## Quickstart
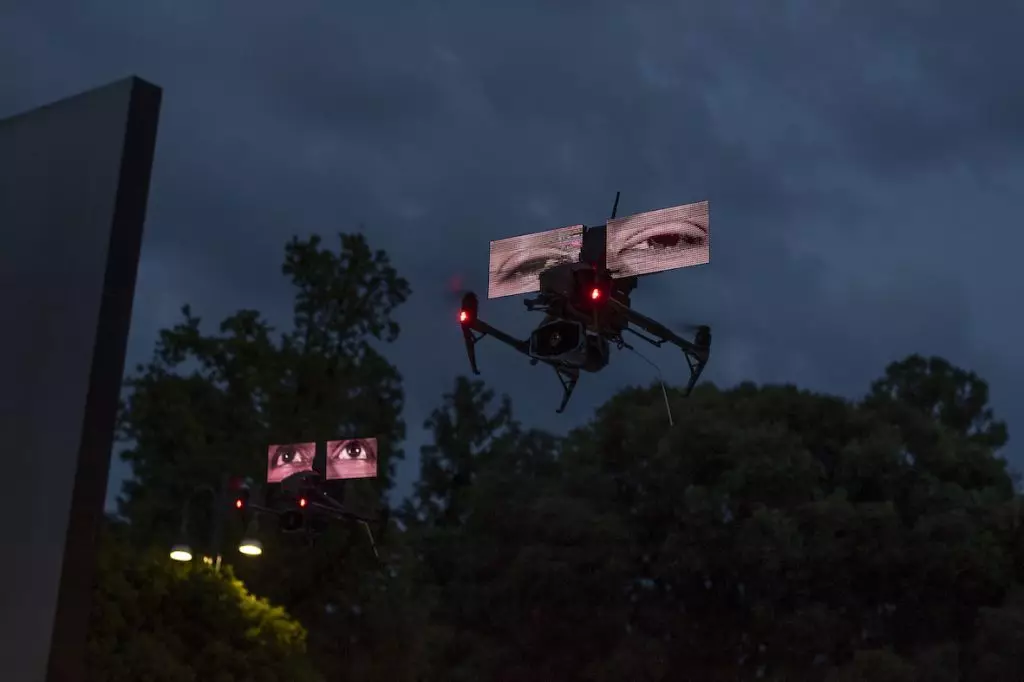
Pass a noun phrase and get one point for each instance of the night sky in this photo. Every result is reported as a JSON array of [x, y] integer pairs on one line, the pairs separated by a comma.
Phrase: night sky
[[863, 161]]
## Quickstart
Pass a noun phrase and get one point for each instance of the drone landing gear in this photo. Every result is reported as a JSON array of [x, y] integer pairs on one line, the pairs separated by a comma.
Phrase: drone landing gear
[[339, 511], [697, 352], [568, 377]]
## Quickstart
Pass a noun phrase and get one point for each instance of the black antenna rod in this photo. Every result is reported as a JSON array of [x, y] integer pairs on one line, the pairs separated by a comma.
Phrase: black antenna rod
[[615, 207]]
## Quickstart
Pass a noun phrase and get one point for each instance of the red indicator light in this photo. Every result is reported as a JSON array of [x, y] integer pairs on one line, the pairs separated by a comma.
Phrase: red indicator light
[[463, 316], [302, 502], [595, 293], [239, 504]]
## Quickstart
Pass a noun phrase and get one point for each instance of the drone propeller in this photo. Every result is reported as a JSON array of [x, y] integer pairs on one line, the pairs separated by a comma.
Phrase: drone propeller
[[455, 289]]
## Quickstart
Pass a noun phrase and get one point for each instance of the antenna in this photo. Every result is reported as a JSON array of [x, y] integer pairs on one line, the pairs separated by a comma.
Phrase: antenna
[[615, 206]]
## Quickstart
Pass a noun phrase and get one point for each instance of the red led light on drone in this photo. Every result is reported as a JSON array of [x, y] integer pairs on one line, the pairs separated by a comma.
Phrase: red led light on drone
[[463, 316], [595, 293], [303, 502], [239, 503]]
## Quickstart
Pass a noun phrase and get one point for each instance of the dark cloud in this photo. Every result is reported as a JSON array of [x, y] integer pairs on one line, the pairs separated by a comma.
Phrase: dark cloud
[[861, 160]]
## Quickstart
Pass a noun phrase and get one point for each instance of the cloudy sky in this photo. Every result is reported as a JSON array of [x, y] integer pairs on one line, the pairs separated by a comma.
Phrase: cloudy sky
[[863, 161]]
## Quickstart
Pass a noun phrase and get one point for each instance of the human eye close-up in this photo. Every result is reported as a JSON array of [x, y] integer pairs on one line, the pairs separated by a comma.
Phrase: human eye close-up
[[675, 234], [352, 458], [353, 449], [528, 265], [292, 455]]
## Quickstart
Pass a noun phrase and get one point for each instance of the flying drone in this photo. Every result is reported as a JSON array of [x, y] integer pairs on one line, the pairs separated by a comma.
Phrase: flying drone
[[584, 277], [302, 504]]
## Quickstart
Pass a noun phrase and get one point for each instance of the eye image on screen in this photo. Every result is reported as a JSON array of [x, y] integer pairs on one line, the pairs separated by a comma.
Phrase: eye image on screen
[[516, 262], [353, 458], [285, 460], [666, 239]]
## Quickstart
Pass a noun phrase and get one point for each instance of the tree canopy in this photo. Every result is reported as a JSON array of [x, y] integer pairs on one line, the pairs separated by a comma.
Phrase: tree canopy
[[163, 621], [208, 403], [770, 533]]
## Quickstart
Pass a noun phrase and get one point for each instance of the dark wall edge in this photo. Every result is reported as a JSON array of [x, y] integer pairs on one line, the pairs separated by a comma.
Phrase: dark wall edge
[[74, 600]]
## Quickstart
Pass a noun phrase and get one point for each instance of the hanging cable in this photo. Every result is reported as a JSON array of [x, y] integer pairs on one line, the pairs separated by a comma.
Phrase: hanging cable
[[661, 380]]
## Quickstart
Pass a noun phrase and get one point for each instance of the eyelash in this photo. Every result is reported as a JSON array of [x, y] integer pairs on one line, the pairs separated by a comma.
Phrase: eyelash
[[689, 238], [508, 272], [343, 450], [299, 458]]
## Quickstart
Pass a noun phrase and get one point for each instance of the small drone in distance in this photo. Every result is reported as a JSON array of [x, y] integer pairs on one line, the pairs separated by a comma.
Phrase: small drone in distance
[[297, 493], [584, 276]]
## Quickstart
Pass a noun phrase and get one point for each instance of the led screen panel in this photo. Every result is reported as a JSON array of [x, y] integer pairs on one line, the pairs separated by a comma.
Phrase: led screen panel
[[516, 262], [660, 240], [288, 459], [352, 458]]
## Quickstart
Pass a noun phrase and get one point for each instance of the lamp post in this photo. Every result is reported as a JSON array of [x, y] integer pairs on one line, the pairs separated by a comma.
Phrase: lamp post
[[182, 551], [250, 546]]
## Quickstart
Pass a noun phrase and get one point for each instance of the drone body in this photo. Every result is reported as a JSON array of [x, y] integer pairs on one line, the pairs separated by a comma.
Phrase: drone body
[[584, 278], [304, 509], [302, 487]]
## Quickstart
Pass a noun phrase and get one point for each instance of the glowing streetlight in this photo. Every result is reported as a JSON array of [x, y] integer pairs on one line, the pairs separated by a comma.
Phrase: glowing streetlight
[[181, 552], [251, 547], [250, 544]]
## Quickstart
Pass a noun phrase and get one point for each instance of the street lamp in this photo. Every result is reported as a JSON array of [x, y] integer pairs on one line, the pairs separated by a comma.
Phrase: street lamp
[[249, 546], [181, 552]]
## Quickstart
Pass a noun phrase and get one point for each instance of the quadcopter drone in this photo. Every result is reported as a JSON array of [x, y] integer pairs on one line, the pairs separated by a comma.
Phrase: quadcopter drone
[[584, 277], [303, 508]]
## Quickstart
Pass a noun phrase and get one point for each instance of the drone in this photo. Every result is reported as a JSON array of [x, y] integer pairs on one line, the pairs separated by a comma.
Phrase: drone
[[304, 509], [584, 278]]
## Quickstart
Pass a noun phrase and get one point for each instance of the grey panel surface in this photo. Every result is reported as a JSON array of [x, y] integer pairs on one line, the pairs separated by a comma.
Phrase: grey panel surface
[[74, 179]]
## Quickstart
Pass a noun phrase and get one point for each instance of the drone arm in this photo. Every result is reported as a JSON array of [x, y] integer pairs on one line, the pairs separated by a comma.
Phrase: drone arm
[[338, 511], [697, 352], [259, 509], [651, 326], [471, 323], [467, 335], [332, 506], [487, 330]]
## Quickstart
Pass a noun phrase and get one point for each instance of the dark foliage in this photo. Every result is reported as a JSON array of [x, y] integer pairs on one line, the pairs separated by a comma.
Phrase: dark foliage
[[772, 533]]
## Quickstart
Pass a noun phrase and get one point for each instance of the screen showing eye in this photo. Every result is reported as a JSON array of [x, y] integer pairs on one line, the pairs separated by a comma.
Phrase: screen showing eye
[[288, 459], [353, 458], [667, 239], [516, 262]]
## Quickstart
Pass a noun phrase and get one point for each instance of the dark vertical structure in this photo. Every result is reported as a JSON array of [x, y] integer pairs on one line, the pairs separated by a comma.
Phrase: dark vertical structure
[[74, 181]]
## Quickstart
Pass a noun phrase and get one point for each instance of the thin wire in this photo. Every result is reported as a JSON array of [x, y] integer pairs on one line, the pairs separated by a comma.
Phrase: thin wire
[[661, 381]]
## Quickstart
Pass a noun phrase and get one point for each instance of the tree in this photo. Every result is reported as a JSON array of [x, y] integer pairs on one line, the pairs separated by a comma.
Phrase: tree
[[499, 538], [156, 619], [953, 398], [998, 640], [209, 404], [877, 665], [771, 533], [466, 431], [206, 404]]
